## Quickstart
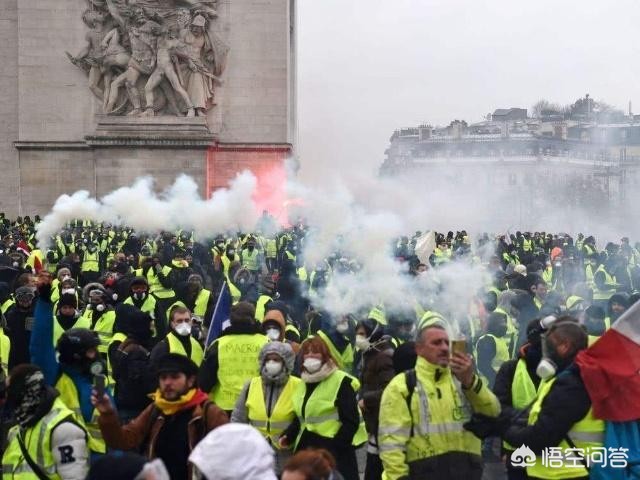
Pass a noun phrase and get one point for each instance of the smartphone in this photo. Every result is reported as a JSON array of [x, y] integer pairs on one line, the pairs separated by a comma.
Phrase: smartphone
[[459, 346], [99, 385]]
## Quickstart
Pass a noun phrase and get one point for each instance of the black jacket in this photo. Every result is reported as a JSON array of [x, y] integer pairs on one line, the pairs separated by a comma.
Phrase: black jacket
[[566, 404], [504, 381]]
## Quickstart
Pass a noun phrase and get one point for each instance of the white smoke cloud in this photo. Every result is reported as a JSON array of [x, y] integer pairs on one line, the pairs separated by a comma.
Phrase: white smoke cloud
[[140, 207]]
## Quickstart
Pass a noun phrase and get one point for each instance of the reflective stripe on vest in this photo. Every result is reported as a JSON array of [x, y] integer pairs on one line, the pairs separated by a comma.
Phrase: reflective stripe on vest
[[237, 363], [282, 413], [175, 346], [320, 412], [69, 395], [587, 433], [37, 442]]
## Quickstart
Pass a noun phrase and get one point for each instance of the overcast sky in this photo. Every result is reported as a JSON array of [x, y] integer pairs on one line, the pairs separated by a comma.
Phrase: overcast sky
[[368, 67]]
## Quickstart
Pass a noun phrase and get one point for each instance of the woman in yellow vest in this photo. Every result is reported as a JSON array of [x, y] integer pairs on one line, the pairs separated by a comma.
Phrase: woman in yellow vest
[[327, 413], [266, 401]]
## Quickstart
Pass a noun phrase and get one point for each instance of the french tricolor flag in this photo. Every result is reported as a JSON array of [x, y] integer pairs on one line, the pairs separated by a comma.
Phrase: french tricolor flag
[[610, 369]]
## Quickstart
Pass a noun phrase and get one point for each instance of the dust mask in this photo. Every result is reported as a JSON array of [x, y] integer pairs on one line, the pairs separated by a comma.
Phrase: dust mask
[[272, 367], [273, 334], [183, 329], [312, 365], [342, 327], [362, 343]]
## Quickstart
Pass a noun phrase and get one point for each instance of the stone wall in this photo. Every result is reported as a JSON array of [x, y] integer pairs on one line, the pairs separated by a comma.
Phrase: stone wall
[[49, 116]]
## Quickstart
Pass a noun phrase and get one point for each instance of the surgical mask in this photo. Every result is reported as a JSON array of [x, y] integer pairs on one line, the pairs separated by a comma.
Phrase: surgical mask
[[68, 290], [362, 342], [272, 367], [342, 327], [183, 329], [273, 334], [312, 365], [139, 295]]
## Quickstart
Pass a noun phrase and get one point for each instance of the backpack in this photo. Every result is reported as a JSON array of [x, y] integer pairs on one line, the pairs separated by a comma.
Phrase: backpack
[[411, 379]]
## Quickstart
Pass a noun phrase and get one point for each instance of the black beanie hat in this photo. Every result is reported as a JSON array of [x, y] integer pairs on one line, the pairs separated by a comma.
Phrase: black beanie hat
[[174, 362]]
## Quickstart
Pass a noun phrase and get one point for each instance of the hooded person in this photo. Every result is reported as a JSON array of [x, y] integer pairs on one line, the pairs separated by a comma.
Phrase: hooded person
[[19, 323], [232, 359], [292, 329], [129, 356], [595, 322], [144, 300], [169, 429], [67, 316], [616, 306], [99, 313], [374, 360], [266, 401], [234, 452], [274, 325], [41, 414]]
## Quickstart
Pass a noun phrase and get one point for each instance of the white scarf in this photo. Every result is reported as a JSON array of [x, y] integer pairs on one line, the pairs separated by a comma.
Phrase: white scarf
[[327, 369]]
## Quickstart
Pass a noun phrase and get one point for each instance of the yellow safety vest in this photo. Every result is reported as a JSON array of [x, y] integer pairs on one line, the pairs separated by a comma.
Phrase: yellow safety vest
[[175, 346], [523, 390], [90, 262], [200, 308], [282, 413], [527, 245], [609, 286], [226, 262], [502, 352], [250, 260], [5, 350], [587, 433], [81, 322], [320, 414], [155, 286], [260, 306], [148, 306], [237, 363], [8, 303], [103, 327], [270, 248], [69, 395], [343, 360], [37, 442]]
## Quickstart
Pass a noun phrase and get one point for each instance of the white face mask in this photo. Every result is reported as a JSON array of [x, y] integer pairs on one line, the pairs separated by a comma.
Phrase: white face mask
[[312, 365], [183, 329], [362, 342], [140, 295], [68, 290], [272, 367], [273, 334], [342, 327], [100, 307]]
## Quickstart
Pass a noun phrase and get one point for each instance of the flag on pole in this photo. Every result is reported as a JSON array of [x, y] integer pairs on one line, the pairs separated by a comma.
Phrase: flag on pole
[[610, 369], [425, 245], [221, 314]]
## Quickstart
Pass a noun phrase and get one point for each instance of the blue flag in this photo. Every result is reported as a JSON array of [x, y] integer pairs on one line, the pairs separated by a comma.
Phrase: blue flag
[[222, 312]]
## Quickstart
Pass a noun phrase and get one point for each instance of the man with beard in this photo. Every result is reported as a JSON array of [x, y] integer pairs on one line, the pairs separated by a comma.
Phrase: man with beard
[[40, 414], [179, 417]]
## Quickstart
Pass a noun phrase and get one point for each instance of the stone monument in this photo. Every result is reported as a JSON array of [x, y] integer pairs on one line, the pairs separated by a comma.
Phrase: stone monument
[[98, 92]]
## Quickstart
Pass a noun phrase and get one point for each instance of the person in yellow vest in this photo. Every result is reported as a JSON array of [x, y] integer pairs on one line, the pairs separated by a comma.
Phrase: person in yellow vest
[[79, 360], [251, 258], [179, 339], [423, 410], [90, 266], [337, 337], [160, 285], [492, 348], [604, 286], [232, 358], [561, 415], [46, 442], [616, 306], [517, 383], [145, 301], [266, 401], [326, 407], [99, 313]]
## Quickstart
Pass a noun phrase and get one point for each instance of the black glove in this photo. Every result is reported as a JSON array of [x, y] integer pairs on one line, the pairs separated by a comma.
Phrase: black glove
[[483, 426]]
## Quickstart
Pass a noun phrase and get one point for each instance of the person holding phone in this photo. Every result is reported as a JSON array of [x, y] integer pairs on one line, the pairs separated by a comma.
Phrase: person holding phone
[[423, 410]]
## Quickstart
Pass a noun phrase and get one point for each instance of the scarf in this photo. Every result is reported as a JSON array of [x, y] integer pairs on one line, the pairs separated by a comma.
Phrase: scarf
[[327, 369], [192, 398]]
